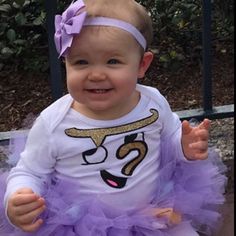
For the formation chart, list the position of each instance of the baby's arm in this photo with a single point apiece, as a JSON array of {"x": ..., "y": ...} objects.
[
  {"x": 25, "y": 182},
  {"x": 195, "y": 140},
  {"x": 23, "y": 209}
]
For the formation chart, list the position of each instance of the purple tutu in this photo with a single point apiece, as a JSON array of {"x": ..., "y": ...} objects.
[{"x": 194, "y": 190}]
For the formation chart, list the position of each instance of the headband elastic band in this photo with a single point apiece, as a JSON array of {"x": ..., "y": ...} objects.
[
  {"x": 71, "y": 22},
  {"x": 105, "y": 21}
]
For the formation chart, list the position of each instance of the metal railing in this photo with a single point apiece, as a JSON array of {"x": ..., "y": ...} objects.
[{"x": 208, "y": 111}]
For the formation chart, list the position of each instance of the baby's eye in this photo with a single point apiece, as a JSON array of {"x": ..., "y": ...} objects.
[
  {"x": 81, "y": 62},
  {"x": 113, "y": 61}
]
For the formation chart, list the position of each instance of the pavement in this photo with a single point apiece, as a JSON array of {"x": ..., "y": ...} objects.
[{"x": 227, "y": 211}]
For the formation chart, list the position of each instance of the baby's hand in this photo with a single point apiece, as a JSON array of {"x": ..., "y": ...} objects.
[
  {"x": 195, "y": 140},
  {"x": 169, "y": 213},
  {"x": 24, "y": 206}
]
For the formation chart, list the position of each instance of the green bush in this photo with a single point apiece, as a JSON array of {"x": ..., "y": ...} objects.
[
  {"x": 23, "y": 35},
  {"x": 177, "y": 29}
]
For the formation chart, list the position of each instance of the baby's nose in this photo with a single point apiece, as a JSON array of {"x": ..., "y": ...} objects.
[{"x": 97, "y": 75}]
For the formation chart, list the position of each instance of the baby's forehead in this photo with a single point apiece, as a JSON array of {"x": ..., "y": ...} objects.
[
  {"x": 101, "y": 48},
  {"x": 96, "y": 51}
]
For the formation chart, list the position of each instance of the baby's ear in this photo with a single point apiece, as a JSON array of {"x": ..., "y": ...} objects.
[{"x": 145, "y": 63}]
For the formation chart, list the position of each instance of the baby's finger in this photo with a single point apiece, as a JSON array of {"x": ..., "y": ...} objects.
[
  {"x": 158, "y": 212},
  {"x": 199, "y": 146},
  {"x": 201, "y": 156},
  {"x": 205, "y": 124},
  {"x": 31, "y": 216},
  {"x": 202, "y": 134},
  {"x": 22, "y": 199},
  {"x": 26, "y": 208},
  {"x": 186, "y": 128},
  {"x": 24, "y": 190},
  {"x": 32, "y": 227}
]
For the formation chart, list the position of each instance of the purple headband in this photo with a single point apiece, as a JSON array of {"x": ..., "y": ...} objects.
[{"x": 71, "y": 22}]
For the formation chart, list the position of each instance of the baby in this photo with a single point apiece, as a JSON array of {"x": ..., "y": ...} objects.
[{"x": 110, "y": 157}]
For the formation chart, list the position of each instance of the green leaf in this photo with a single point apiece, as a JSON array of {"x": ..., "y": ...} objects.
[
  {"x": 5, "y": 7},
  {"x": 173, "y": 54},
  {"x": 38, "y": 21},
  {"x": 3, "y": 27},
  {"x": 20, "y": 19},
  {"x": 36, "y": 36},
  {"x": 20, "y": 42},
  {"x": 11, "y": 35},
  {"x": 7, "y": 51},
  {"x": 20, "y": 2},
  {"x": 26, "y": 3},
  {"x": 164, "y": 58},
  {"x": 15, "y": 5},
  {"x": 19, "y": 50}
]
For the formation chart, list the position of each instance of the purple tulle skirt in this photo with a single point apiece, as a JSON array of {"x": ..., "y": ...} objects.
[{"x": 195, "y": 190}]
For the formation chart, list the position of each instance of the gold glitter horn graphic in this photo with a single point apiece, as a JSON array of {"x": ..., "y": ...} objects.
[{"x": 98, "y": 135}]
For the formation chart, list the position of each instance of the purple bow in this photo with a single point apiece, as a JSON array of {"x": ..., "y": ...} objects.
[{"x": 67, "y": 24}]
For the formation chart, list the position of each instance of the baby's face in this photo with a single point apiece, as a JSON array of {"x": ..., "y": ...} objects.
[{"x": 103, "y": 65}]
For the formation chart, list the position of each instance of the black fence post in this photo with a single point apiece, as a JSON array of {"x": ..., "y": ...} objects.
[
  {"x": 54, "y": 62},
  {"x": 208, "y": 110},
  {"x": 207, "y": 75}
]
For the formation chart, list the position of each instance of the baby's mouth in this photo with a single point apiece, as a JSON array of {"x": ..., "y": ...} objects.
[
  {"x": 113, "y": 181},
  {"x": 98, "y": 91}
]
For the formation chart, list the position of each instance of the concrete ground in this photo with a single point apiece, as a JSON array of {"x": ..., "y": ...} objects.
[{"x": 227, "y": 210}]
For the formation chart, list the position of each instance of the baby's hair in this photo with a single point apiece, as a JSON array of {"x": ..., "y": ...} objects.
[{"x": 126, "y": 10}]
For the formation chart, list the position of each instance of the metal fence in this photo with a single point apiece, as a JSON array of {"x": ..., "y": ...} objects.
[{"x": 207, "y": 110}]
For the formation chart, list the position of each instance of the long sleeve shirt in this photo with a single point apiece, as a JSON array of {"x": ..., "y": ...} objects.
[{"x": 115, "y": 159}]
